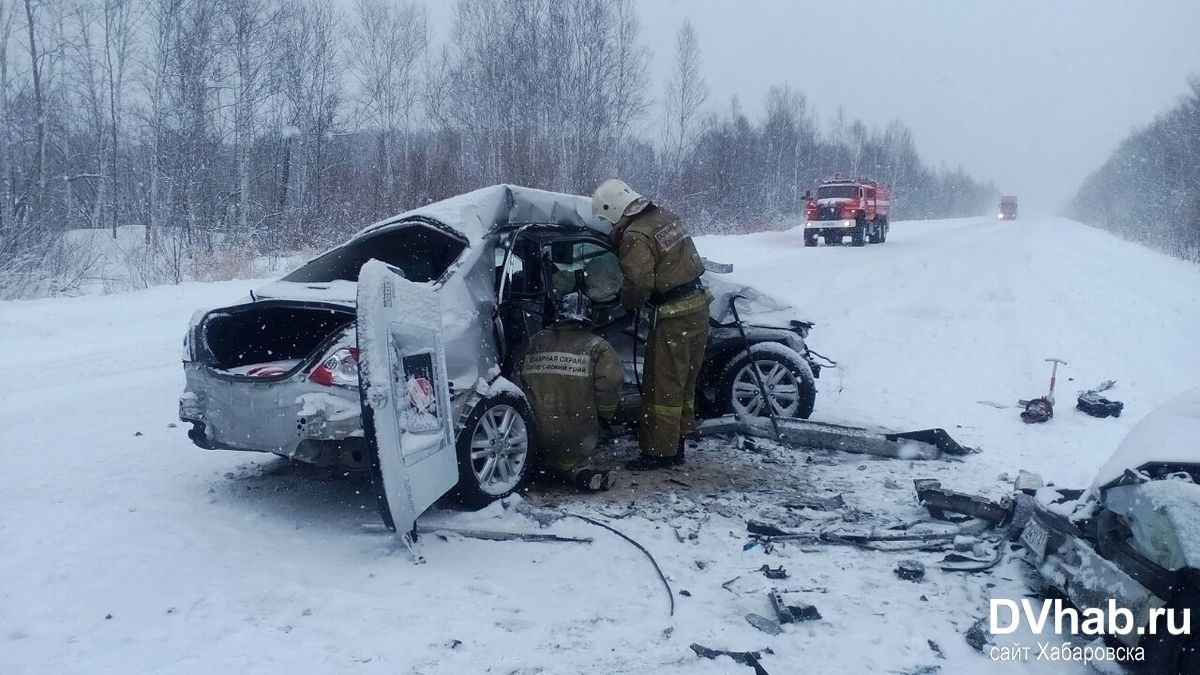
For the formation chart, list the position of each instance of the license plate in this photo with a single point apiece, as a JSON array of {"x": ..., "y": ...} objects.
[{"x": 1035, "y": 537}]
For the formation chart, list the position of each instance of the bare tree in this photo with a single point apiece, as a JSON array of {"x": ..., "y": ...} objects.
[
  {"x": 120, "y": 17},
  {"x": 309, "y": 72},
  {"x": 7, "y": 218},
  {"x": 387, "y": 41},
  {"x": 685, "y": 97},
  {"x": 247, "y": 23},
  {"x": 39, "y": 103},
  {"x": 163, "y": 26}
]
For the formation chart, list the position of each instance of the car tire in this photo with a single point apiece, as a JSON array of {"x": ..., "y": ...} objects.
[
  {"x": 500, "y": 428},
  {"x": 738, "y": 392},
  {"x": 810, "y": 240}
]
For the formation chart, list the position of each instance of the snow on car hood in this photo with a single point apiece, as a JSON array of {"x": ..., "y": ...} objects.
[
  {"x": 1170, "y": 434},
  {"x": 755, "y": 307}
]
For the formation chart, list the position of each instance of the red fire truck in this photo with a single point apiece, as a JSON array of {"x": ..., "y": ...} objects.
[{"x": 847, "y": 207}]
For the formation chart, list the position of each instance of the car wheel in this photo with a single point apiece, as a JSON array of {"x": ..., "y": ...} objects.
[
  {"x": 783, "y": 372},
  {"x": 810, "y": 240},
  {"x": 495, "y": 450}
]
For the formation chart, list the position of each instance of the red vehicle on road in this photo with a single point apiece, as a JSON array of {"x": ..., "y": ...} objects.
[
  {"x": 847, "y": 207},
  {"x": 1008, "y": 208}
]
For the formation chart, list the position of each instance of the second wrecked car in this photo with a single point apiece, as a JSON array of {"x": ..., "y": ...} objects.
[{"x": 1133, "y": 536}]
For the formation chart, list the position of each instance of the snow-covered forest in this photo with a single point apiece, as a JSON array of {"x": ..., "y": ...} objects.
[
  {"x": 222, "y": 129},
  {"x": 1149, "y": 190}
]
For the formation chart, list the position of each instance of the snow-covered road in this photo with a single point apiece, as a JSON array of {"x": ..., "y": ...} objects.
[{"x": 123, "y": 548}]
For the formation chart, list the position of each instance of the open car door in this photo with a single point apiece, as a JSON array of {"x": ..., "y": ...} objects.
[{"x": 405, "y": 394}]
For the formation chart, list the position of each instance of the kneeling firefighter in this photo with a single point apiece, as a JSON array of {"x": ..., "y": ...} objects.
[
  {"x": 573, "y": 379},
  {"x": 661, "y": 268}
]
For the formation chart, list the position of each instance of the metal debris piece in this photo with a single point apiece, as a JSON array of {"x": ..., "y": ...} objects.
[
  {"x": 493, "y": 535},
  {"x": 744, "y": 658},
  {"x": 767, "y": 533},
  {"x": 956, "y": 562},
  {"x": 773, "y": 572},
  {"x": 763, "y": 623},
  {"x": 821, "y": 503},
  {"x": 938, "y": 501},
  {"x": 758, "y": 527},
  {"x": 795, "y": 432},
  {"x": 791, "y": 613},
  {"x": 910, "y": 570}
]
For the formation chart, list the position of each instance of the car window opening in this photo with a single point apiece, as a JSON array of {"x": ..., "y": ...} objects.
[{"x": 422, "y": 253}]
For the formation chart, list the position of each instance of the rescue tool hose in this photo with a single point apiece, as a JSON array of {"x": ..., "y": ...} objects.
[{"x": 661, "y": 576}]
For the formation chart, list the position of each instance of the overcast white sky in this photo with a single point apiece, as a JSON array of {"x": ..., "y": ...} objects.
[{"x": 1033, "y": 94}]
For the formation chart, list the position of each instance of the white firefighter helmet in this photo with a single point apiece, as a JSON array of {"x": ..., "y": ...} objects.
[
  {"x": 574, "y": 307},
  {"x": 612, "y": 198}
]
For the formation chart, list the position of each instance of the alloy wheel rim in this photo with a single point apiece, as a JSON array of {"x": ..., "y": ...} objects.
[
  {"x": 783, "y": 390},
  {"x": 499, "y": 449}
]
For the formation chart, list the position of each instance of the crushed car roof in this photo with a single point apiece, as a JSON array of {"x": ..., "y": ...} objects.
[
  {"x": 476, "y": 213},
  {"x": 1166, "y": 436}
]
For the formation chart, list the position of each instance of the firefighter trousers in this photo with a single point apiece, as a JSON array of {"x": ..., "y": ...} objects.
[{"x": 674, "y": 356}]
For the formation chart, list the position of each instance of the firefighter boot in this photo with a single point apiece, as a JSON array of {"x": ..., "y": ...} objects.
[
  {"x": 678, "y": 459},
  {"x": 649, "y": 463},
  {"x": 592, "y": 480}
]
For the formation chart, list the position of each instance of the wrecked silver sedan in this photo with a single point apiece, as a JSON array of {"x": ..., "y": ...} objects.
[
  {"x": 1133, "y": 537},
  {"x": 459, "y": 287}
]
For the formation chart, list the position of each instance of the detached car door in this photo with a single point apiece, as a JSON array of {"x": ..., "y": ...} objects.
[{"x": 405, "y": 393}]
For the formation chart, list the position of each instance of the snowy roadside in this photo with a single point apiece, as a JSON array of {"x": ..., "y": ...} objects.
[{"x": 227, "y": 561}]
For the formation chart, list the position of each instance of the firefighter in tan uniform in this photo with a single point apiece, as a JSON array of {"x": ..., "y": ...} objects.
[
  {"x": 662, "y": 268},
  {"x": 573, "y": 379}
]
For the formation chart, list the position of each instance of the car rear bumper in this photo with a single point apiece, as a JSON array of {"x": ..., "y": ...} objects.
[
  {"x": 1088, "y": 579},
  {"x": 274, "y": 416}
]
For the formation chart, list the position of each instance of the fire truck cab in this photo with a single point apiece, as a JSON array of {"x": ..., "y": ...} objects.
[{"x": 847, "y": 207}]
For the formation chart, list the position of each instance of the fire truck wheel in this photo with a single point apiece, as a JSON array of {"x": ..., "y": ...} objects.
[
  {"x": 810, "y": 240},
  {"x": 858, "y": 236}
]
